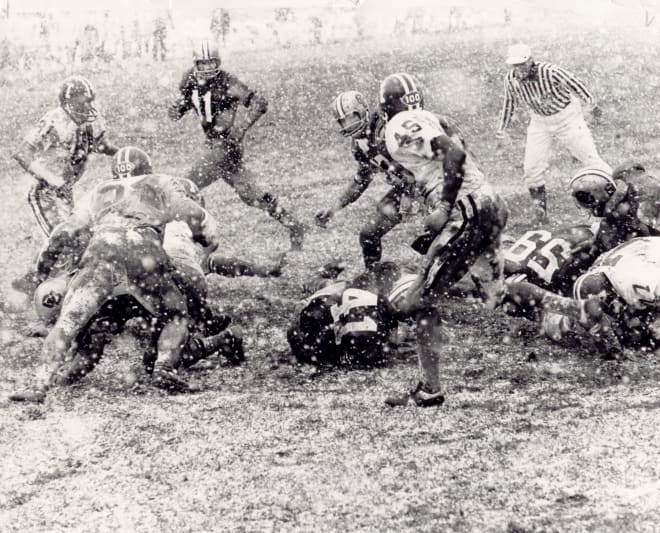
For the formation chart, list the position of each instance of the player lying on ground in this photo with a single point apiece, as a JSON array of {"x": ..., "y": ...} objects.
[
  {"x": 465, "y": 221},
  {"x": 626, "y": 285},
  {"x": 126, "y": 218},
  {"x": 348, "y": 323}
]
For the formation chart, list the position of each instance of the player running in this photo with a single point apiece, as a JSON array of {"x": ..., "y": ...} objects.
[
  {"x": 215, "y": 96},
  {"x": 56, "y": 151},
  {"x": 465, "y": 219}
]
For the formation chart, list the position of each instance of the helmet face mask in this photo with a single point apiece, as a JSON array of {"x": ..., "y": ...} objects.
[
  {"x": 130, "y": 161},
  {"x": 400, "y": 92},
  {"x": 77, "y": 99},
  {"x": 591, "y": 189},
  {"x": 206, "y": 61},
  {"x": 351, "y": 112}
]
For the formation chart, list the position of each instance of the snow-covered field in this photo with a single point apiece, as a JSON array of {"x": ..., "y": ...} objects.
[{"x": 531, "y": 438}]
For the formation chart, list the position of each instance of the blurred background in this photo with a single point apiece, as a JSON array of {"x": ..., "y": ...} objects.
[{"x": 65, "y": 35}]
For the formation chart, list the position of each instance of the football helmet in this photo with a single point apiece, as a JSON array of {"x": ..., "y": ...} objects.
[
  {"x": 130, "y": 161},
  {"x": 592, "y": 188},
  {"x": 48, "y": 298},
  {"x": 351, "y": 112},
  {"x": 400, "y": 92},
  {"x": 77, "y": 99},
  {"x": 206, "y": 61}
]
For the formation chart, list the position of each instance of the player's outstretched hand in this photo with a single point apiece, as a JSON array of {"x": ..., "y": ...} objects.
[{"x": 323, "y": 217}]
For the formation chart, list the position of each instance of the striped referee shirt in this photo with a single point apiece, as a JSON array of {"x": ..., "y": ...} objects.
[{"x": 546, "y": 91}]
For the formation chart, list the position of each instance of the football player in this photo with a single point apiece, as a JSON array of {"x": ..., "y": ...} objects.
[
  {"x": 366, "y": 131},
  {"x": 127, "y": 218},
  {"x": 215, "y": 95},
  {"x": 544, "y": 258},
  {"x": 110, "y": 320},
  {"x": 346, "y": 323},
  {"x": 465, "y": 220},
  {"x": 626, "y": 282},
  {"x": 627, "y": 202},
  {"x": 55, "y": 152}
]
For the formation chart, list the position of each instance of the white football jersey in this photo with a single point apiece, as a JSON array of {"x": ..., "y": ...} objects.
[
  {"x": 633, "y": 269},
  {"x": 408, "y": 138}
]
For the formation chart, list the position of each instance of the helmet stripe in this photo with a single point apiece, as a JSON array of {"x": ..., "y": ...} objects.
[
  {"x": 340, "y": 108},
  {"x": 591, "y": 170},
  {"x": 407, "y": 82}
]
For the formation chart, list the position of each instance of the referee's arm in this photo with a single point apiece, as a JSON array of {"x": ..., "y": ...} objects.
[
  {"x": 574, "y": 84},
  {"x": 508, "y": 107}
]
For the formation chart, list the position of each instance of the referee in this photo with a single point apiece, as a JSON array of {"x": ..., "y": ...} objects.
[{"x": 548, "y": 90}]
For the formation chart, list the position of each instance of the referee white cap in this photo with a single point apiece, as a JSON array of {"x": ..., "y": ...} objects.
[{"x": 518, "y": 53}]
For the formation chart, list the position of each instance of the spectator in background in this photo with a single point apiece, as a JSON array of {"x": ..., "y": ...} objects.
[
  {"x": 159, "y": 47},
  {"x": 220, "y": 24}
]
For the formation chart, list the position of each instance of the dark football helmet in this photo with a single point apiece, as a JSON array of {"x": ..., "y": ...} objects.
[
  {"x": 77, "y": 99},
  {"x": 400, "y": 92},
  {"x": 206, "y": 61},
  {"x": 351, "y": 112},
  {"x": 592, "y": 188},
  {"x": 130, "y": 161}
]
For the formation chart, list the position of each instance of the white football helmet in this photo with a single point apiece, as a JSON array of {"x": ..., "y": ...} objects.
[
  {"x": 351, "y": 112},
  {"x": 48, "y": 298},
  {"x": 592, "y": 188}
]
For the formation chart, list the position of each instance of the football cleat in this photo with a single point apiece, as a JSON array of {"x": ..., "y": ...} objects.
[
  {"x": 420, "y": 396},
  {"x": 166, "y": 378},
  {"x": 28, "y": 395},
  {"x": 232, "y": 347}
]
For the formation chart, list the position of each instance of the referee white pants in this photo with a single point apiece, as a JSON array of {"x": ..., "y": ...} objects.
[{"x": 570, "y": 130}]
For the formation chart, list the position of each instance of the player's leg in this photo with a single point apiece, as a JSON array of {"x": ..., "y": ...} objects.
[
  {"x": 251, "y": 194},
  {"x": 387, "y": 217},
  {"x": 89, "y": 289},
  {"x": 48, "y": 208},
  {"x": 214, "y": 165},
  {"x": 219, "y": 264},
  {"x": 228, "y": 343},
  {"x": 538, "y": 148}
]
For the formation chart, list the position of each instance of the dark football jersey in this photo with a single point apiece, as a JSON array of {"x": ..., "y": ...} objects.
[
  {"x": 215, "y": 101},
  {"x": 543, "y": 257},
  {"x": 372, "y": 156}
]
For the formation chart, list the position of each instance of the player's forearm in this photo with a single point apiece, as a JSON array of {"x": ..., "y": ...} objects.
[
  {"x": 352, "y": 192},
  {"x": 37, "y": 168},
  {"x": 179, "y": 108},
  {"x": 257, "y": 106}
]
